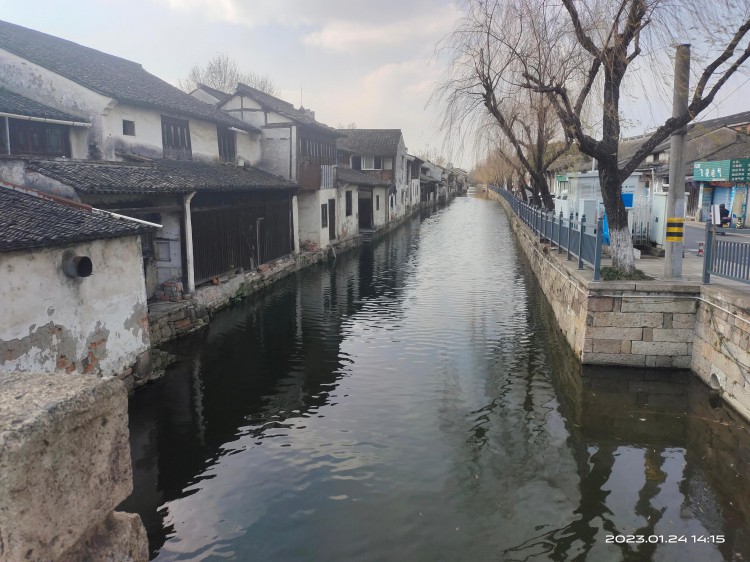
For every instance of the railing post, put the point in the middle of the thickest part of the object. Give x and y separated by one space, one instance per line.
708 257
570 229
598 249
559 234
552 236
580 241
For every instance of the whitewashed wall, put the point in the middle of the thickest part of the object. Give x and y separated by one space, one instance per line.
310 216
52 323
347 227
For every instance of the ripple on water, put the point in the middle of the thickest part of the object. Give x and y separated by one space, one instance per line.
414 402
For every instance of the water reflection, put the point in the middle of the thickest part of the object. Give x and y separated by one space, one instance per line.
416 402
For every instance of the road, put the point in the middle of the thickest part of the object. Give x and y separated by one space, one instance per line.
696 232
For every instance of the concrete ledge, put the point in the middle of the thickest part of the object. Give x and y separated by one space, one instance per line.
64 460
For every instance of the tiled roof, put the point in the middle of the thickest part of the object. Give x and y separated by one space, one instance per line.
359 178
281 107
218 94
370 142
160 176
30 221
16 104
112 76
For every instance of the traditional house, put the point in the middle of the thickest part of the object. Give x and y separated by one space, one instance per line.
172 150
130 112
216 219
301 149
380 153
73 287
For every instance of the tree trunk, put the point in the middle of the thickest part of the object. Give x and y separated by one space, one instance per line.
621 243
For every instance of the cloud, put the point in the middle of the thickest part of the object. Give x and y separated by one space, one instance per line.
345 35
331 17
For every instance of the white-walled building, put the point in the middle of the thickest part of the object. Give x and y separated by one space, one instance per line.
74 298
380 153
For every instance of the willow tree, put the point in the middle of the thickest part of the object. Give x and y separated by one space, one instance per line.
580 55
485 90
611 36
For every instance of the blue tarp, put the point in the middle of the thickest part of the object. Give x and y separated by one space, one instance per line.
605 230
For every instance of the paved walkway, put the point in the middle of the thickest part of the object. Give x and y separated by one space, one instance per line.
692 263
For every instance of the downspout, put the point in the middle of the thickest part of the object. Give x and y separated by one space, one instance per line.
7 135
291 140
190 265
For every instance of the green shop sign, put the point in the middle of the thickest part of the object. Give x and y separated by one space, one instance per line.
736 170
708 171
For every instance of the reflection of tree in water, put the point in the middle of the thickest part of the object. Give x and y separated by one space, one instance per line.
260 366
603 410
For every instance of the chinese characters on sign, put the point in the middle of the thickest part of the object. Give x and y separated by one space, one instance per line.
737 170
707 171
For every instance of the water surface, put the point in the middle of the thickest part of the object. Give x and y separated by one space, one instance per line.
415 401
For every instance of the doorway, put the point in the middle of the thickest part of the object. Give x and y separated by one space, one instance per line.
332 219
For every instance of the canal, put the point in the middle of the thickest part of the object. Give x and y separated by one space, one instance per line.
415 401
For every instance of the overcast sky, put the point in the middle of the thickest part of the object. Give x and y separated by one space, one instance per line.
362 61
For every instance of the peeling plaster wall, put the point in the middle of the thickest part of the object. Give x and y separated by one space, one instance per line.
52 323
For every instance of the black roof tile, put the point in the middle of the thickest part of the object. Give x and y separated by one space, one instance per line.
17 104
31 221
160 176
282 107
112 76
370 142
359 178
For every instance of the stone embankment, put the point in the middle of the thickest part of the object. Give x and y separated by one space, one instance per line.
655 324
64 466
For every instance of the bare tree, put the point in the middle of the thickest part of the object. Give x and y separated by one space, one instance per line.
611 35
432 154
577 54
485 90
223 74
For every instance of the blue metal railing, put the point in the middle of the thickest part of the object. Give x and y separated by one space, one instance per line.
725 258
575 237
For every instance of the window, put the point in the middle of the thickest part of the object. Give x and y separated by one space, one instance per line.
348 203
372 163
387 163
175 138
323 216
31 137
377 202
227 144
128 128
356 163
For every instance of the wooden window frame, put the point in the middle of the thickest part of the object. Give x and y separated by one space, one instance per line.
227 140
175 138
32 138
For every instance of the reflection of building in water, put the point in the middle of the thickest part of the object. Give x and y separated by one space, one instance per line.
260 364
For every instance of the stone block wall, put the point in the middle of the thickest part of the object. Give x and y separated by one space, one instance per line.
64 466
638 324
722 334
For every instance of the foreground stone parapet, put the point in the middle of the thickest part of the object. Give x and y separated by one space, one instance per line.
64 466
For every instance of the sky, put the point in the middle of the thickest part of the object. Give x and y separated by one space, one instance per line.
356 61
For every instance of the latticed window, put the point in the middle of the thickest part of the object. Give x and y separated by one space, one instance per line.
175 138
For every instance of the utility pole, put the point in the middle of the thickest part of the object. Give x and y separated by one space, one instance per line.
675 235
